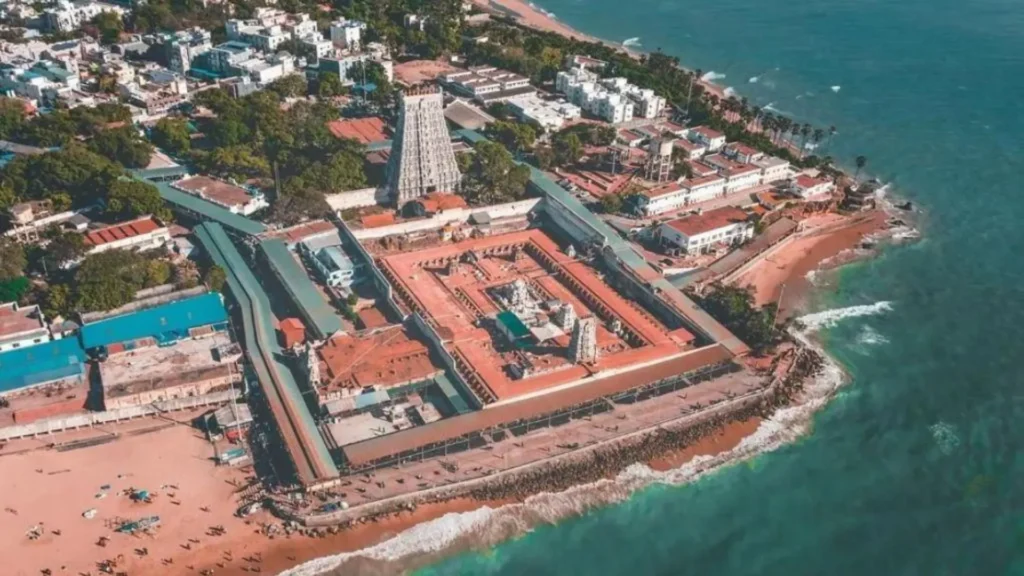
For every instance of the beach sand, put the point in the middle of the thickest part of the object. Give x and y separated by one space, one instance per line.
50 490
722 441
533 17
830 236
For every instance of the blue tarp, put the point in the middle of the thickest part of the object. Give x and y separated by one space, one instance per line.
41 363
166 323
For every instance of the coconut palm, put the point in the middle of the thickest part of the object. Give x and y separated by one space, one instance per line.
831 133
860 162
805 131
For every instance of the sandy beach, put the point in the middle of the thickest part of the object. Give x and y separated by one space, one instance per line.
530 16
827 237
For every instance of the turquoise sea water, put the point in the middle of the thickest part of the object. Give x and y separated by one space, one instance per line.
916 467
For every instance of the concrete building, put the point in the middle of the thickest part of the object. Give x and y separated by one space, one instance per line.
711 139
772 169
611 99
328 258
810 187
145 233
191 367
549 114
21 326
68 16
701 232
235 198
583 344
742 153
487 84
422 159
661 199
43 80
181 48
347 33
691 150
225 57
704 188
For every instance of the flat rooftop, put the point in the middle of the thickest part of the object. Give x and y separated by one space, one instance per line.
121 231
159 367
459 301
362 130
215 190
20 322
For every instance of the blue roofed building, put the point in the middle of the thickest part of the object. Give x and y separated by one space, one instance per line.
58 361
162 325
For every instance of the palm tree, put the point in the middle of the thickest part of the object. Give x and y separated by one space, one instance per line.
861 162
831 133
805 131
817 136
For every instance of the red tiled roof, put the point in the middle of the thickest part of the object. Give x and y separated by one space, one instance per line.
378 220
670 188
708 221
697 182
709 133
217 190
804 181
123 230
364 130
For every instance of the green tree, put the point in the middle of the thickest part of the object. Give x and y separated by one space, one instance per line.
330 86
172 134
156 273
12 259
515 136
56 301
73 173
131 198
109 25
568 149
108 280
123 145
61 249
298 206
735 308
544 156
611 203
493 177
291 86
12 118
215 278
13 289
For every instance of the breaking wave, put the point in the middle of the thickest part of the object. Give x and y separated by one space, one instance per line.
486 527
870 337
631 41
829 318
711 76
836 88
945 437
729 91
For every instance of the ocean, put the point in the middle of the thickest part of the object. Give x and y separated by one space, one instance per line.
915 466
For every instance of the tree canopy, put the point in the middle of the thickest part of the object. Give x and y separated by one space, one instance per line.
734 307
12 259
172 134
124 145
128 199
71 177
492 177
108 280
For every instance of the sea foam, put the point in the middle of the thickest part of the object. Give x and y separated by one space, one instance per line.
486 527
635 41
711 76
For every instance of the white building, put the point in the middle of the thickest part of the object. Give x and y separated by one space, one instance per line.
691 150
712 139
550 114
582 89
145 233
225 194
488 84
702 232
325 253
646 104
270 28
263 71
704 188
741 177
68 16
808 187
44 80
347 33
772 169
662 199
742 153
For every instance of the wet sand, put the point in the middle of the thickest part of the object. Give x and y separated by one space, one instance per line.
727 438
